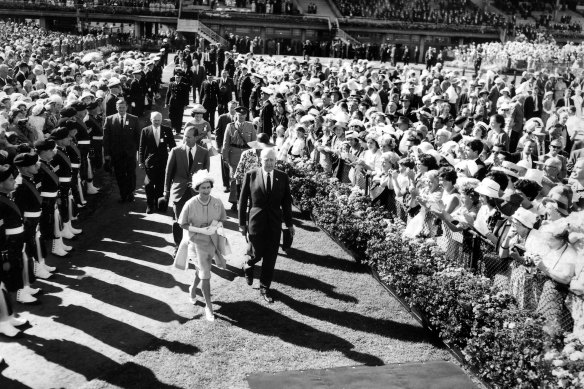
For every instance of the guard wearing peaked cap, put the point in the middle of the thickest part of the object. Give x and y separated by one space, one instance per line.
93 121
11 247
28 199
47 182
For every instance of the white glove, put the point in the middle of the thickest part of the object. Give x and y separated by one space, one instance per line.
133 104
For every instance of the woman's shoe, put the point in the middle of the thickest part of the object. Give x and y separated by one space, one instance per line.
209 314
192 296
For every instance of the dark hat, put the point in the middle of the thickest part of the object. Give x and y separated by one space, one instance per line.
241 109
179 72
59 133
68 112
22 64
6 171
79 106
93 105
403 120
44 145
405 97
26 159
162 204
460 120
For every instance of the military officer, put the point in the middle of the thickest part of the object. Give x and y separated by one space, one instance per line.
136 94
237 136
177 98
115 88
95 161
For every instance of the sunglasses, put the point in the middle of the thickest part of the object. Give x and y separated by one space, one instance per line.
555 147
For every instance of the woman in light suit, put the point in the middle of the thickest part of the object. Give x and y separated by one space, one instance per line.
202 216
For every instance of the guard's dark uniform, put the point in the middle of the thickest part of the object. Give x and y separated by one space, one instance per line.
49 190
62 167
177 98
74 155
95 130
136 95
29 201
11 244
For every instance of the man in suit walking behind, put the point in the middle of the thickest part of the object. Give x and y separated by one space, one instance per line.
267 193
121 137
155 143
183 161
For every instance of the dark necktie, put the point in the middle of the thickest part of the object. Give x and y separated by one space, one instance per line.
190 158
269 185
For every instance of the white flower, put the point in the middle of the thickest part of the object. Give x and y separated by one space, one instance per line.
576 356
558 363
569 349
550 355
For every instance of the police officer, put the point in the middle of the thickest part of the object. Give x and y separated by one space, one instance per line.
237 136
11 246
177 98
136 94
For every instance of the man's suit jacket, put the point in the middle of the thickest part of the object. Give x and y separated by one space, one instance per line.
266 116
222 124
199 75
225 90
152 155
209 91
110 104
121 139
178 176
265 212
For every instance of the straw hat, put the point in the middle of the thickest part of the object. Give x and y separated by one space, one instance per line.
488 188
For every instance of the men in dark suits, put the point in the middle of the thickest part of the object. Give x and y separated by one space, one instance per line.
222 123
155 143
121 137
209 91
266 112
177 98
4 77
266 192
21 76
229 64
224 92
199 75
137 94
473 150
183 161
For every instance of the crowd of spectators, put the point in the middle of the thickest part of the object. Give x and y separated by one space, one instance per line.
525 8
445 12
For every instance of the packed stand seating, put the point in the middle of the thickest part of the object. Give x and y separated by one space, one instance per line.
445 12
525 8
156 7
276 7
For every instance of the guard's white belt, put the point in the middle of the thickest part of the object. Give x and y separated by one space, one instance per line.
49 194
84 142
75 165
32 214
15 231
98 138
64 179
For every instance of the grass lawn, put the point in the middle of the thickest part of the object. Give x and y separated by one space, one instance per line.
329 312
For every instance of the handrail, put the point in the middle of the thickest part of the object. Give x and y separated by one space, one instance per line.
204 30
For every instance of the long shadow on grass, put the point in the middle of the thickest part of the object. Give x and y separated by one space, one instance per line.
302 282
327 261
357 322
258 319
131 375
9 383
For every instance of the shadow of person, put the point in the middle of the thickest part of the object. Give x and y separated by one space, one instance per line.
259 319
130 375
115 333
302 282
9 383
327 261
357 322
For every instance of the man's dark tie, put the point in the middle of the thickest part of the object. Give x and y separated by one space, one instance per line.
269 185
190 158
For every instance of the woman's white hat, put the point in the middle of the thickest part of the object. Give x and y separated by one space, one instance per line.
489 188
201 177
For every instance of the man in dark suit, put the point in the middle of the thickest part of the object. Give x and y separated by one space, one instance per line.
244 87
198 78
267 193
224 92
115 89
155 143
5 79
177 98
121 137
21 75
137 94
266 112
183 161
222 122
209 91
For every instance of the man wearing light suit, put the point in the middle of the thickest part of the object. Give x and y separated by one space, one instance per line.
183 161
155 143
121 137
266 192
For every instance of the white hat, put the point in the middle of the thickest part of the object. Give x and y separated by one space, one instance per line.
489 188
510 169
534 175
307 118
267 90
525 217
200 177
